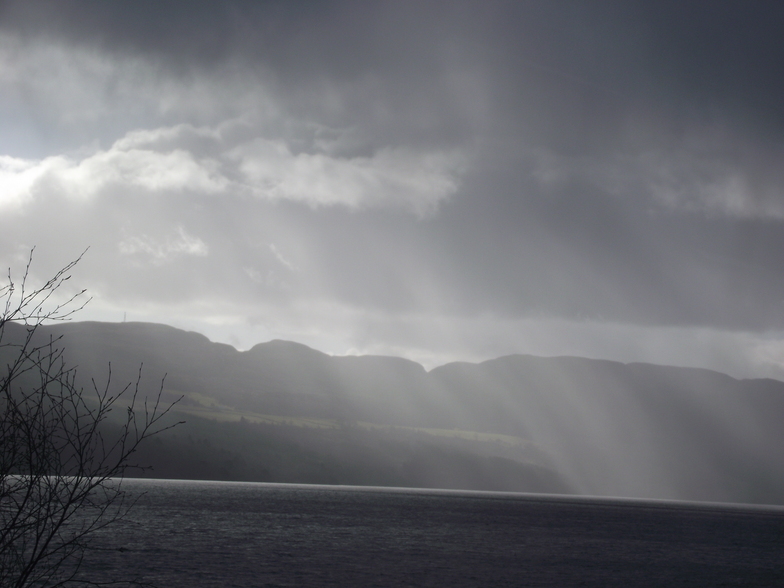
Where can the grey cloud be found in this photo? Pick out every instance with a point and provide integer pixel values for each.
(614, 162)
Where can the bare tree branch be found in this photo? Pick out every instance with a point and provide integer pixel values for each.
(64, 451)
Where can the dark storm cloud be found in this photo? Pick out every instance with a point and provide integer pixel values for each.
(682, 60)
(612, 162)
(380, 67)
(571, 76)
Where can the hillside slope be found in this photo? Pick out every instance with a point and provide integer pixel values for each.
(284, 412)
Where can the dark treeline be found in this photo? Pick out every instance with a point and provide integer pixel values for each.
(259, 452)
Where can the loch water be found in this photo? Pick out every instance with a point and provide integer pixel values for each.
(210, 534)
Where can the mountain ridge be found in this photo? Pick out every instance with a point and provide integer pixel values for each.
(195, 334)
(586, 426)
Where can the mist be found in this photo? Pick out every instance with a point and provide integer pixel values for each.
(557, 224)
(284, 412)
(442, 183)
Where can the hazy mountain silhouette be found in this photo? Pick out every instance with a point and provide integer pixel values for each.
(282, 411)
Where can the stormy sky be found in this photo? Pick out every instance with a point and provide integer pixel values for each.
(435, 180)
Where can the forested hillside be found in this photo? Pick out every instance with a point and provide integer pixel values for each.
(284, 412)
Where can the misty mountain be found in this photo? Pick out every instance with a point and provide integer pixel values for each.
(282, 411)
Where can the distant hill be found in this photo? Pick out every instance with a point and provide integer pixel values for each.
(282, 411)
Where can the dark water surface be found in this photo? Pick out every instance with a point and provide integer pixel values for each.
(209, 534)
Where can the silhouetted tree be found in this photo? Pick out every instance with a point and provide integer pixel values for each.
(63, 452)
